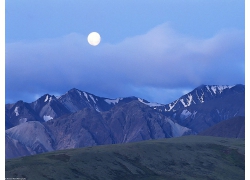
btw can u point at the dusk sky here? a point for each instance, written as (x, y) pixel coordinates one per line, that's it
(153, 49)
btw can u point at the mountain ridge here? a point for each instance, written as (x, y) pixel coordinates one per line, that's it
(81, 119)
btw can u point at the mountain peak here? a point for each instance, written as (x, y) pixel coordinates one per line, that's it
(74, 90)
(45, 98)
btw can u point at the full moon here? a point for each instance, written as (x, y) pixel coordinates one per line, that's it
(94, 38)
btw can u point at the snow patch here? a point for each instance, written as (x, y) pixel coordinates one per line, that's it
(153, 104)
(46, 99)
(85, 94)
(16, 111)
(214, 89)
(219, 89)
(79, 92)
(222, 88)
(183, 103)
(171, 106)
(150, 104)
(194, 113)
(201, 99)
(189, 100)
(113, 101)
(185, 113)
(92, 98)
(96, 108)
(47, 118)
(22, 120)
(209, 90)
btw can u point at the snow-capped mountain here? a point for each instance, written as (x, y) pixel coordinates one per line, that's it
(49, 107)
(206, 105)
(80, 119)
(201, 95)
(75, 100)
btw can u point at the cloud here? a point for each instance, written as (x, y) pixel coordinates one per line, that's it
(161, 60)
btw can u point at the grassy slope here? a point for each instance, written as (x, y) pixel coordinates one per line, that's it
(189, 157)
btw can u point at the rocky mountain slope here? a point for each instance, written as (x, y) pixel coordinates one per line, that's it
(233, 128)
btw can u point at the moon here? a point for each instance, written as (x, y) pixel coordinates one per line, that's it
(94, 38)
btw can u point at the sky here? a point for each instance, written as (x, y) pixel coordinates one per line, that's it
(157, 50)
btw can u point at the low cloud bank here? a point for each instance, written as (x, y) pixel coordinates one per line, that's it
(156, 63)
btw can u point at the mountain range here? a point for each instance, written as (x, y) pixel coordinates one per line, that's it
(81, 119)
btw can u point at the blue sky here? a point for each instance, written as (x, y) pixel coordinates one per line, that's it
(157, 50)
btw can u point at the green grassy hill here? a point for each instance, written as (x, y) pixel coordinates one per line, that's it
(183, 158)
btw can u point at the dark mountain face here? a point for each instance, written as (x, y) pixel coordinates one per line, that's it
(79, 129)
(75, 100)
(124, 123)
(233, 128)
(48, 107)
(135, 121)
(80, 119)
(18, 113)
